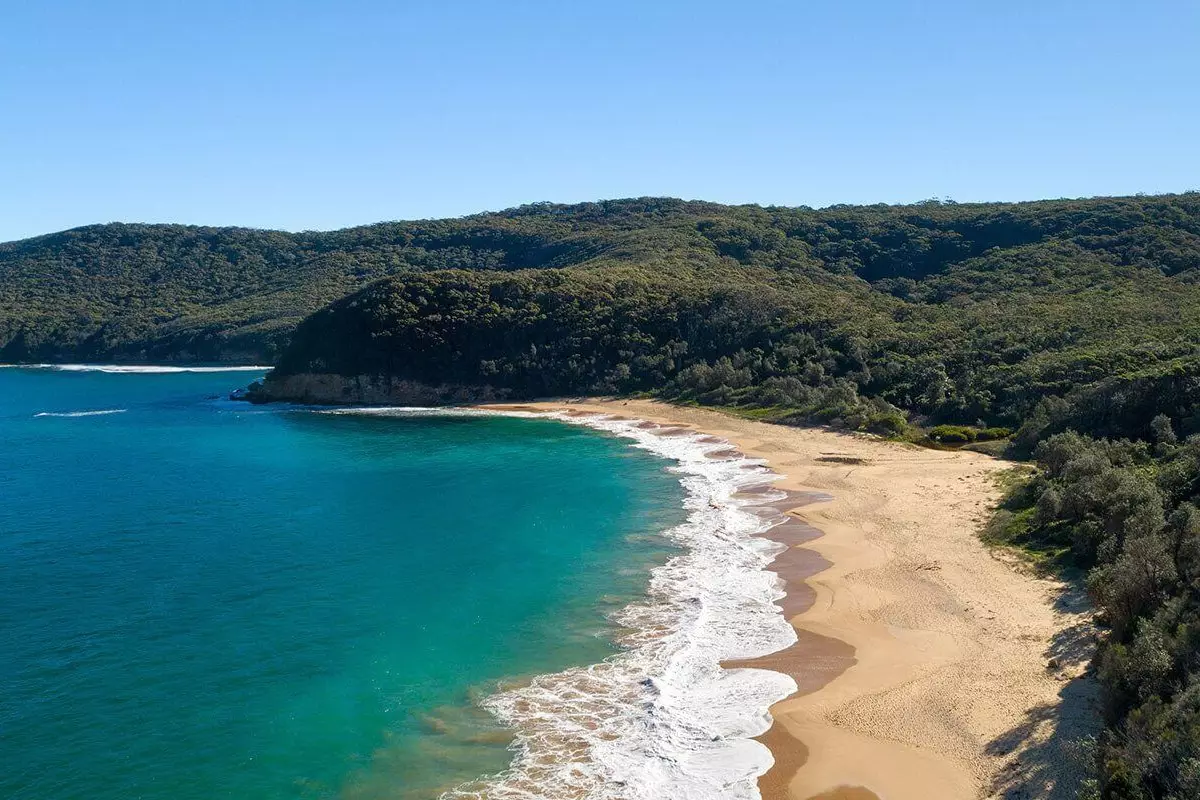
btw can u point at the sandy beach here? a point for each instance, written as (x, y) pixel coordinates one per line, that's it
(929, 665)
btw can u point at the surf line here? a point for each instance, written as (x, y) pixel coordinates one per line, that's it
(678, 711)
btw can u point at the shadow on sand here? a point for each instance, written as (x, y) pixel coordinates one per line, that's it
(1048, 753)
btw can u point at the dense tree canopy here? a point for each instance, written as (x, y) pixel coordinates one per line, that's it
(153, 292)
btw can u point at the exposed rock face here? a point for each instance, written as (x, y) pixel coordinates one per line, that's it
(326, 389)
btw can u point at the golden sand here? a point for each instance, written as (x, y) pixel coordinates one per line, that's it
(923, 656)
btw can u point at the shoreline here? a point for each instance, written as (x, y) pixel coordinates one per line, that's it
(665, 716)
(927, 665)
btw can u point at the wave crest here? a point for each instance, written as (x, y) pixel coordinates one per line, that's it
(97, 413)
(662, 718)
(123, 369)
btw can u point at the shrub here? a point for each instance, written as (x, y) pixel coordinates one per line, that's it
(893, 424)
(952, 434)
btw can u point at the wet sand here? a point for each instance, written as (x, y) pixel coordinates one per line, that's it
(922, 656)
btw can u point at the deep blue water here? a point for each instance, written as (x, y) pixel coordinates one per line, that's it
(204, 599)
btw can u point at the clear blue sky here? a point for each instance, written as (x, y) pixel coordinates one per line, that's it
(303, 115)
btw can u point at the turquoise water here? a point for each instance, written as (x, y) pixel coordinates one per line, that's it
(203, 599)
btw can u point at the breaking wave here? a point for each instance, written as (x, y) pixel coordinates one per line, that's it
(662, 718)
(133, 370)
(98, 413)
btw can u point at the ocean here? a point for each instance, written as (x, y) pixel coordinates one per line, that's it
(205, 599)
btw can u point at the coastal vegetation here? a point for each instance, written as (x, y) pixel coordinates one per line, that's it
(1064, 331)
(1126, 512)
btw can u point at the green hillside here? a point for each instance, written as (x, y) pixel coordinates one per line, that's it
(169, 292)
(1047, 315)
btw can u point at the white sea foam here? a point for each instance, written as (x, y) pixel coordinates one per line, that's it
(98, 413)
(132, 370)
(662, 719)
(401, 411)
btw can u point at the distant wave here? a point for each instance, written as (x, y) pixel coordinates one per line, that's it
(662, 718)
(133, 370)
(98, 413)
(402, 411)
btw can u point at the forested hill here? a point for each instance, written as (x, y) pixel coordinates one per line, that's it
(167, 292)
(1044, 315)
